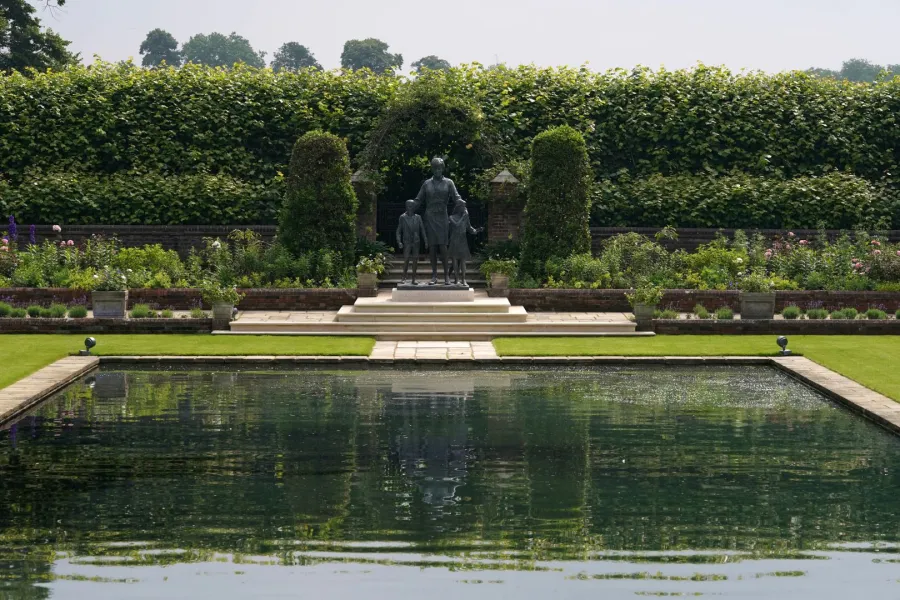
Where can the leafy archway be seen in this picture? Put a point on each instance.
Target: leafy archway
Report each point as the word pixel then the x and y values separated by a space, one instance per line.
pixel 428 118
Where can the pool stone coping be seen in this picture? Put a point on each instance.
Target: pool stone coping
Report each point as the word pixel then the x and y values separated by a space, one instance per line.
pixel 27 392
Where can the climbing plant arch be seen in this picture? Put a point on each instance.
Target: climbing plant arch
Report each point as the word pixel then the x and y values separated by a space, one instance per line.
pixel 428 118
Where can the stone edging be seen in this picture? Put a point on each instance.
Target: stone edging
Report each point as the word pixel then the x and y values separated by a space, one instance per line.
pixel 25 393
pixel 776 327
pixel 874 406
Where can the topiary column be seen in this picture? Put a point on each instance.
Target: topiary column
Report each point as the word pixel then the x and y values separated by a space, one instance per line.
pixel 557 212
pixel 319 212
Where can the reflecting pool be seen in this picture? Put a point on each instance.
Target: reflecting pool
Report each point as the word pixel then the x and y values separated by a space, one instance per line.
pixel 569 483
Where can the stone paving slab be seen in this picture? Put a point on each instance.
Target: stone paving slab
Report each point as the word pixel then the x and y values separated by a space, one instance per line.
pixel 434 351
pixel 874 406
pixel 27 392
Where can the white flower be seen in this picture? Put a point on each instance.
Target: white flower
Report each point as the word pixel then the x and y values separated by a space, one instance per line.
pixel 739 261
pixel 129 270
pixel 217 244
pixel 740 273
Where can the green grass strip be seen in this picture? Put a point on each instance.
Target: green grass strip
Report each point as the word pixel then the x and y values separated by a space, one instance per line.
pixel 22 355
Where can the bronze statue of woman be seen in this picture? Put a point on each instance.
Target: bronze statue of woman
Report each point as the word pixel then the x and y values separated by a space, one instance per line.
pixel 437 194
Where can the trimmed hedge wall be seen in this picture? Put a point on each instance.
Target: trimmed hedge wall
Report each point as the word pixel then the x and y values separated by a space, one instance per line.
pixel 141 199
pixel 836 200
pixel 242 123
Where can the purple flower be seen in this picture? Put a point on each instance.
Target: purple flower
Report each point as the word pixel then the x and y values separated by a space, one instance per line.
pixel 31 237
pixel 13 232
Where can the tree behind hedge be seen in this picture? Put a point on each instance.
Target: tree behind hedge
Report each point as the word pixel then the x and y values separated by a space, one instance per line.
pixel 557 212
pixel 319 210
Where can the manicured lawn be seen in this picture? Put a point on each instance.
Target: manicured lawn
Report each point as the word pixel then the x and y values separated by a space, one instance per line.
pixel 21 355
pixel 870 360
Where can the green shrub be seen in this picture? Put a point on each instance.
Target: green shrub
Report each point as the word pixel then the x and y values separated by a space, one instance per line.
pixel 34 311
pixel 837 314
pixel 897 314
pixel 18 313
pixel 320 205
pixel 45 313
pixel 140 311
pixel 5 309
pixel 876 314
pixel 77 312
pixel 724 313
pixel 167 314
pixel 58 311
pixel 666 314
pixel 199 313
pixel 701 312
pixel 791 312
pixel 152 314
pixel 850 313
pixel 557 211
pixel 817 314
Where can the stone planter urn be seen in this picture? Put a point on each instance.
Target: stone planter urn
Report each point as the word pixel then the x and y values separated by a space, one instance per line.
pixel 109 305
pixel 757 305
pixel 222 311
pixel 367 283
pixel 499 285
pixel 643 316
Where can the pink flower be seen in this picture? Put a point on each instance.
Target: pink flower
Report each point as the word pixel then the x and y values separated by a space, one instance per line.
pixel 876 252
pixel 769 254
pixel 876 243
pixel 70 243
pixel 898 252
pixel 4 241
pixel 803 242
pixel 854 260
pixel 57 229
pixel 790 234
pixel 787 246
pixel 4 249
pixel 62 244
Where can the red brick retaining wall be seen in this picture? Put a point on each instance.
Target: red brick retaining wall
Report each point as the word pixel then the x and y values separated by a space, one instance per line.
pixel 776 327
pixel 106 326
pixel 185 299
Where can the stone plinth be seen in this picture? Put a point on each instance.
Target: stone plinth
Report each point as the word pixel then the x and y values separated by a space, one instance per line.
pixel 432 293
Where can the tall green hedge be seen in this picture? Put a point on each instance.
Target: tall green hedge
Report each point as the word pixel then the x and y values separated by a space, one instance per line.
pixel 242 123
pixel 558 207
pixel 835 200
pixel 141 199
pixel 320 205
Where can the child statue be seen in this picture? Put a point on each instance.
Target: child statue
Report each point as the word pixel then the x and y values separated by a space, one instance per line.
pixel 410 230
pixel 458 248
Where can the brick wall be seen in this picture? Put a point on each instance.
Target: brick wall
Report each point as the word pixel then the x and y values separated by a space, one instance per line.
pixel 185 299
pixel 553 300
pixel 776 327
pixel 105 326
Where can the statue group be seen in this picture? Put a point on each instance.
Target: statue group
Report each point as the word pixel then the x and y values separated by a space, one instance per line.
pixel 443 234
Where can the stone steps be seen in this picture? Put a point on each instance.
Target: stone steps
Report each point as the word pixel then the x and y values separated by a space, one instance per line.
pixel 483 305
pixel 436 336
pixel 495 327
pixel 515 314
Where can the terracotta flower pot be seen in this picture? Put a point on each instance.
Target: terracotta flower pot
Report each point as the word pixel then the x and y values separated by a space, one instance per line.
pixel 109 305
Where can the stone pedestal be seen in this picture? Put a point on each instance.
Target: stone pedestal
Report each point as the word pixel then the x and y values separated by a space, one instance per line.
pixel 505 218
pixel 432 293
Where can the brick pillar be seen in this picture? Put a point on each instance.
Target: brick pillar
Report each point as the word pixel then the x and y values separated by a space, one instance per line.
pixel 366 214
pixel 505 212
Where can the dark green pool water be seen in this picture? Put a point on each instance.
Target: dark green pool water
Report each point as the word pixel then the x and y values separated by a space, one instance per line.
pixel 595 483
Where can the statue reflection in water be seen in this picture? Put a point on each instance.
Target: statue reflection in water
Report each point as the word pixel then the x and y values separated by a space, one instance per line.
pixel 431 440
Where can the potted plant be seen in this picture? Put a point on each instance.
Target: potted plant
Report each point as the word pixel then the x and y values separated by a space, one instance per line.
pixel 498 271
pixel 221 298
pixel 367 271
pixel 109 294
pixel 757 296
pixel 643 302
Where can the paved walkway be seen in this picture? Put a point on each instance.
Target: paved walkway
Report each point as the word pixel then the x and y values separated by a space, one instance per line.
pixel 433 351
pixel 29 391
pixel 329 316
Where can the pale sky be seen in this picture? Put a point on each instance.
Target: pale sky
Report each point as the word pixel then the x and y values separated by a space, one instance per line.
pixel 770 35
